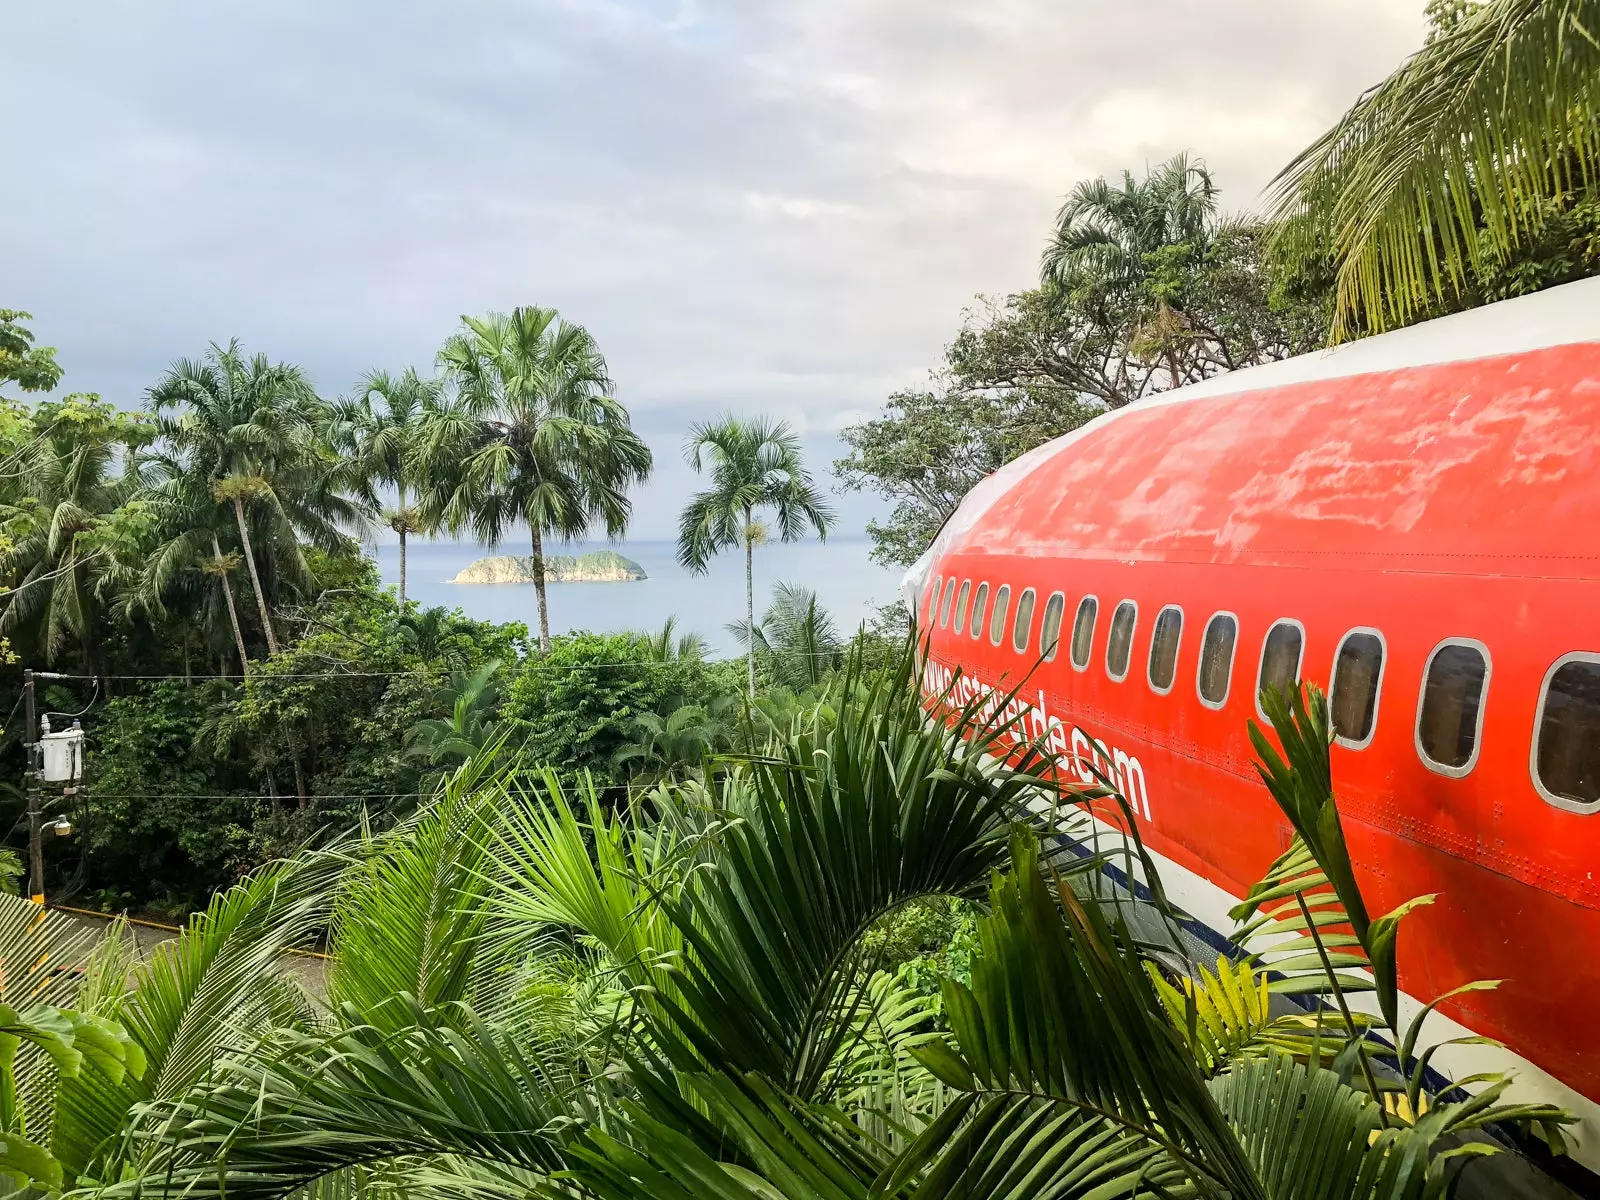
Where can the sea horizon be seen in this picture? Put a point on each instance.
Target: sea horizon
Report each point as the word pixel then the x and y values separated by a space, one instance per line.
pixel 848 585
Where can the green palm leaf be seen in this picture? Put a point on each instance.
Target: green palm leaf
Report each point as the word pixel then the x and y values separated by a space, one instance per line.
pixel 1456 156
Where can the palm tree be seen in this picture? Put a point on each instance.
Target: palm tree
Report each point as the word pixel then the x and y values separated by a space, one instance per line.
pixel 1109 243
pixel 798 637
pixel 668 645
pixel 532 434
pixel 471 699
pixel 755 467
pixel 385 419
pixel 244 433
pixel 1458 157
pixel 64 523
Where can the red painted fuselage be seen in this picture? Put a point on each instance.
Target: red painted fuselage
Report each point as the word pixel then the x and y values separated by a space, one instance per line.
pixel 1421 510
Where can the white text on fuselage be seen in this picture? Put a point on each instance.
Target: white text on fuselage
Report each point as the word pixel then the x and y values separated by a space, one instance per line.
pixel 1088 760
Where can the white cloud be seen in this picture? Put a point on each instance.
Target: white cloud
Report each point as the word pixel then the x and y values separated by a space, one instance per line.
pixel 753 203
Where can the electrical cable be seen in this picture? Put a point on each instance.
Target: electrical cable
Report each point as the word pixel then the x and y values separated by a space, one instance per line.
pixel 526 668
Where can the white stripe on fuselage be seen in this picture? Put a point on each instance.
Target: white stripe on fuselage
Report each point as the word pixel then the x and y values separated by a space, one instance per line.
pixel 1209 904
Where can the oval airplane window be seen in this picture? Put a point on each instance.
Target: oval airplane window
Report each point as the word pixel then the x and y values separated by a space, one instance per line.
pixel 980 603
pixel 1002 609
pixel 949 599
pixel 1050 632
pixel 1164 648
pixel 930 610
pixel 1216 659
pixel 1450 713
pixel 1022 627
pixel 961 606
pixel 1357 678
pixel 1280 661
pixel 1566 748
pixel 1083 632
pixel 1119 642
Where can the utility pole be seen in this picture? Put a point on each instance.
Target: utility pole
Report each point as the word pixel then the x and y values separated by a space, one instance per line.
pixel 31 787
pixel 31 780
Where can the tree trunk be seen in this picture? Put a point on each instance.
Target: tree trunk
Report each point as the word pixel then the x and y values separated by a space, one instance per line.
pixel 750 603
pixel 538 586
pixel 401 488
pixel 233 613
pixel 255 578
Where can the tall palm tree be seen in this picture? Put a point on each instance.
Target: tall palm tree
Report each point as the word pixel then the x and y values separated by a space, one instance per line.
pixel 245 434
pixel 62 518
pixel 1109 240
pixel 189 550
pixel 531 434
pixel 385 418
pixel 756 468
pixel 1461 154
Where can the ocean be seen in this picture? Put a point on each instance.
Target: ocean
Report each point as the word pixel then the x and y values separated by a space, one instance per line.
pixel 848 584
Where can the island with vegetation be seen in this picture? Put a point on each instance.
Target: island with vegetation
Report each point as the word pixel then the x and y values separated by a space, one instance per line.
pixel 602 566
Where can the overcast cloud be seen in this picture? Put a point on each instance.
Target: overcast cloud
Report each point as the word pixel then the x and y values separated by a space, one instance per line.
pixel 774 207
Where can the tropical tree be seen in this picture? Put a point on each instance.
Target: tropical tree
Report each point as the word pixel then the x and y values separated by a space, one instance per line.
pixel 533 434
pixel 1456 161
pixel 70 515
pixel 797 638
pixel 244 434
pixel 384 420
pixel 756 468
pixel 1118 252
pixel 471 698
pixel 668 645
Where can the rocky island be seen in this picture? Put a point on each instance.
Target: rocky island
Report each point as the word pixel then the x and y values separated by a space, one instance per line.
pixel 602 566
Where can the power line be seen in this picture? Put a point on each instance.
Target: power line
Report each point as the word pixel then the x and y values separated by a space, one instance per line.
pixel 525 668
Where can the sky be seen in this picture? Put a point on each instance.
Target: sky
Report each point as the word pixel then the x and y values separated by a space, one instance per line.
pixel 756 206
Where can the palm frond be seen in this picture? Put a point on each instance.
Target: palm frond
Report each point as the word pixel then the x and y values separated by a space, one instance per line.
pixel 1455 156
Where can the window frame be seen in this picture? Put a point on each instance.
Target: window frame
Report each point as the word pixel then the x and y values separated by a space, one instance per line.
pixel 1150 658
pixel 1000 612
pixel 933 605
pixel 979 612
pixel 1055 652
pixel 1439 768
pixel 1132 634
pixel 1233 657
pixel 1093 629
pixel 1027 633
pixel 1377 703
pixel 947 605
pixel 1545 794
pixel 1261 661
pixel 958 619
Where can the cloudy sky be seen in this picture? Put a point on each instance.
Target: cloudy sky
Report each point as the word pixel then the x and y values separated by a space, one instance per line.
pixel 755 205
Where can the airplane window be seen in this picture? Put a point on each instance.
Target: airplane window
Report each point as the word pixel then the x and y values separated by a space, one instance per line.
pixel 1050 632
pixel 1567 752
pixel 1002 609
pixel 961 605
pixel 1023 625
pixel 1083 631
pixel 979 603
pixel 1357 675
pixel 933 600
pixel 1450 717
pixel 1216 659
pixel 1119 642
pixel 949 599
pixel 1280 660
pixel 1164 648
